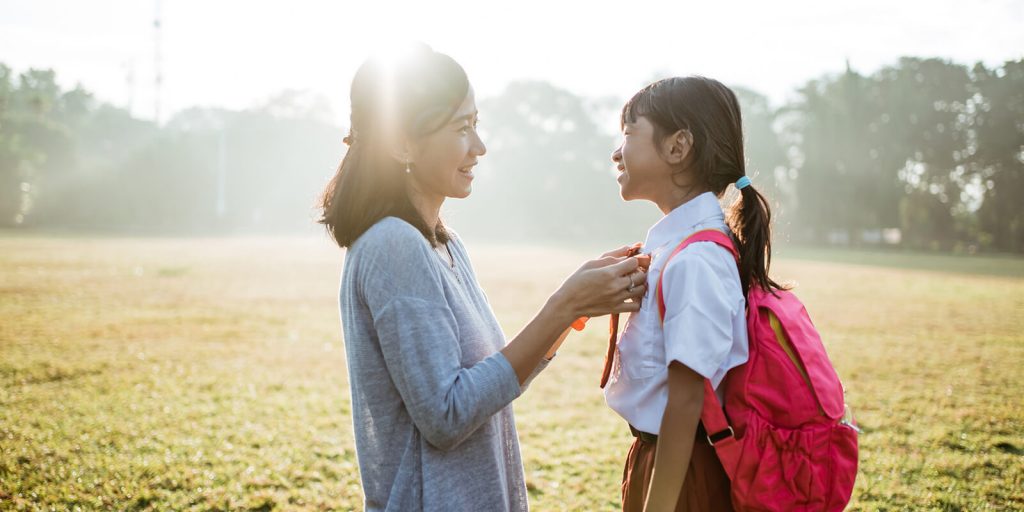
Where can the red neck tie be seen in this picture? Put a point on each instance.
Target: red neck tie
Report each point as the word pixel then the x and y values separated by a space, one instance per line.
pixel 609 357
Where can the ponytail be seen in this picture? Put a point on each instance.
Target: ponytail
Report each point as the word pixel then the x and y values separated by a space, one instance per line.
pixel 750 221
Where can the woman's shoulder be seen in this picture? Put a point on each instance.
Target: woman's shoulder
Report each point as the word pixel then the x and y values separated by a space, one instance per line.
pixel 387 235
pixel 455 239
pixel 392 245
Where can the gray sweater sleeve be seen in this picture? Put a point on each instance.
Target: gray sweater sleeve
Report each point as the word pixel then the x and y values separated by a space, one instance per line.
pixel 419 341
pixel 544 362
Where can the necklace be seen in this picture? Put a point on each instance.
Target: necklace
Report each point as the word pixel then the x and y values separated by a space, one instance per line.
pixel 449 260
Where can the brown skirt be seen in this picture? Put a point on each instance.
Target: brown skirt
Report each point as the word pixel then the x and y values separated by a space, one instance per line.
pixel 706 487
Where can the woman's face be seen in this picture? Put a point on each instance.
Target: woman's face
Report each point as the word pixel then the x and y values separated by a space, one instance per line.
pixel 643 172
pixel 442 162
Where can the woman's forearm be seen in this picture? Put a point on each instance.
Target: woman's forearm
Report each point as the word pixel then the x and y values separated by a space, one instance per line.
pixel 599 287
pixel 558 343
pixel 675 440
pixel 539 338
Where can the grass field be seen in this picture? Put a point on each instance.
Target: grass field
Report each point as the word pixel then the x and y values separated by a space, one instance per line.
pixel 209 374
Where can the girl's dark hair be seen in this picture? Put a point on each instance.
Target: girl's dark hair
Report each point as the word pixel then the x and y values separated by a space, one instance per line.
pixel 409 96
pixel 710 112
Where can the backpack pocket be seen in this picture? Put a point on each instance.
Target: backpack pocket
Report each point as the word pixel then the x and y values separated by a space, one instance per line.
pixel 783 469
pixel 843 460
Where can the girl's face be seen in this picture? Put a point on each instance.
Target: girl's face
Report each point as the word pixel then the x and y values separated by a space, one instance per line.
pixel 442 162
pixel 643 172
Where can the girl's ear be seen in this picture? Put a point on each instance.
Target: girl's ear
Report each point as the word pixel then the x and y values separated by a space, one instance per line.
pixel 678 146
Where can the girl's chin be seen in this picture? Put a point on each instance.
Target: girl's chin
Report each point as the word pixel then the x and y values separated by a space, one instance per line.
pixel 624 189
pixel 625 192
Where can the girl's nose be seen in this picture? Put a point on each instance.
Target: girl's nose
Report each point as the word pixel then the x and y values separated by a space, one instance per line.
pixel 479 148
pixel 617 155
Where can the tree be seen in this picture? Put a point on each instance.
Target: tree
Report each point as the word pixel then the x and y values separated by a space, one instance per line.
pixel 997 154
pixel 11 154
pixel 831 130
pixel 921 136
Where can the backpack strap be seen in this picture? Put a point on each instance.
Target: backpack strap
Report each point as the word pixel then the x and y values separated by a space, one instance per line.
pixel 704 235
pixel 720 434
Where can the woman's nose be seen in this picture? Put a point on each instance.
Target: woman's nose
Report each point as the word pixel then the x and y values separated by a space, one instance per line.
pixel 617 155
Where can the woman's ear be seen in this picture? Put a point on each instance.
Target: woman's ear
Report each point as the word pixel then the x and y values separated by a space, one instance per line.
pixel 402 151
pixel 678 146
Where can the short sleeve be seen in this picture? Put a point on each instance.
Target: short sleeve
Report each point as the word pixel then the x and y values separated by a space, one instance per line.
pixel 699 312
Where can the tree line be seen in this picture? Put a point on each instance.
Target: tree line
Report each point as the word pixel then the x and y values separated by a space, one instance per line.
pixel 925 153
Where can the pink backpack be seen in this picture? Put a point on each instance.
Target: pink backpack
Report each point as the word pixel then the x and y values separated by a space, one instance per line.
pixel 783 437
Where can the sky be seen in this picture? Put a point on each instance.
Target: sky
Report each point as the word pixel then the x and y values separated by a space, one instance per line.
pixel 238 54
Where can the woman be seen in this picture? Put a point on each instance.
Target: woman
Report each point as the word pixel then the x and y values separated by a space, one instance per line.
pixel 431 376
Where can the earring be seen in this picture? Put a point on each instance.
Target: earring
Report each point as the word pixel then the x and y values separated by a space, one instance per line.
pixel 408 170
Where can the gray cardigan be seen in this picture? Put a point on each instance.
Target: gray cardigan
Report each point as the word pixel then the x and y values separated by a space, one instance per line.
pixel 431 393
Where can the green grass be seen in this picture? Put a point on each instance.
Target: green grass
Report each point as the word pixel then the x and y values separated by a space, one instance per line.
pixel 209 374
pixel 994 265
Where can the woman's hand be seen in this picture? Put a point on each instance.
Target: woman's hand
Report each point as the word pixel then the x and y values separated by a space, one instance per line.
pixel 613 283
pixel 625 250
pixel 620 252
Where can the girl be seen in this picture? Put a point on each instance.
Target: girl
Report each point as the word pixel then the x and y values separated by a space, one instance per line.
pixel 682 147
pixel 431 376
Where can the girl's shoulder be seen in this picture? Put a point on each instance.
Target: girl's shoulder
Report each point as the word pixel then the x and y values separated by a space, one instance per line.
pixel 706 252
pixel 703 259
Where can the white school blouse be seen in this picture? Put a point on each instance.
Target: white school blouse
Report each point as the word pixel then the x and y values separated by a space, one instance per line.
pixel 705 322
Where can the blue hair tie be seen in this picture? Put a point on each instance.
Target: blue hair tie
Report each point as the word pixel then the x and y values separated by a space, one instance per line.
pixel 742 182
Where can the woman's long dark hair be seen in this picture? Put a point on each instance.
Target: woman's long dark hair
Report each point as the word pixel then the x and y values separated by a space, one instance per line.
pixel 412 95
pixel 710 112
